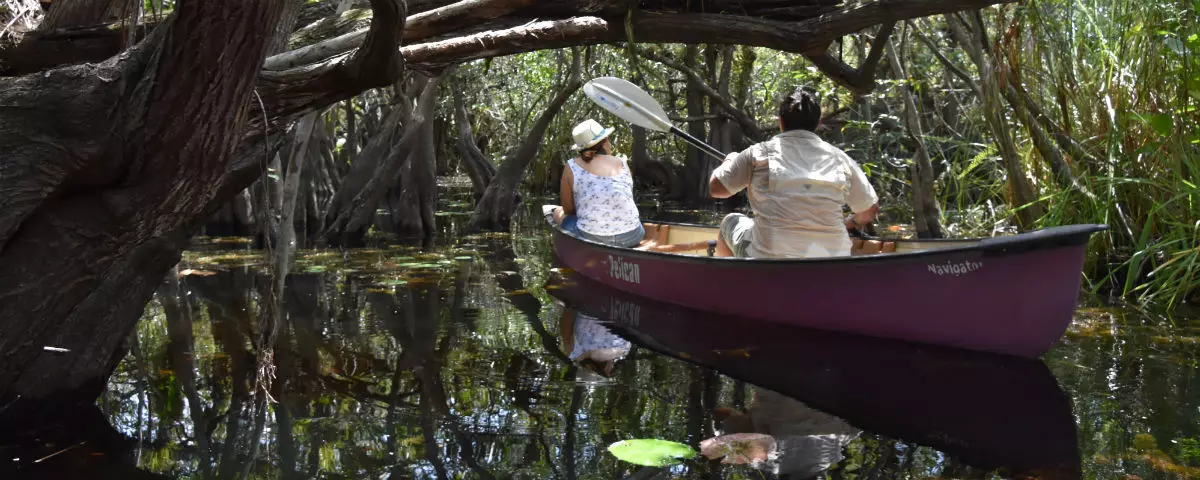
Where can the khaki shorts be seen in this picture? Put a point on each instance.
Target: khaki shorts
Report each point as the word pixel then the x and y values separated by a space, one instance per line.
pixel 735 229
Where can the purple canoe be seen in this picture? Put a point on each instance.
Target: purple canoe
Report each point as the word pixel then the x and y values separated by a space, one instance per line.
pixel 1013 295
pixel 989 411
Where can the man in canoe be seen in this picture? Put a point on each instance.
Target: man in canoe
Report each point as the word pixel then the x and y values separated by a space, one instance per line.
pixel 798 184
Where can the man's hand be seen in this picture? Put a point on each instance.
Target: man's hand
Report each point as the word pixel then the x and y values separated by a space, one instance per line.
pixel 851 225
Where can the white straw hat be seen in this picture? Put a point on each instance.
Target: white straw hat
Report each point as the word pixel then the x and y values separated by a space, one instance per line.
pixel 588 133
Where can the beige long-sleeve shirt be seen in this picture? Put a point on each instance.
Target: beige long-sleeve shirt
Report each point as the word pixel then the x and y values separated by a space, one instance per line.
pixel 798 184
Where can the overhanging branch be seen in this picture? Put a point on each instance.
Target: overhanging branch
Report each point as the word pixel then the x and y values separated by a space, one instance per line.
pixel 288 95
pixel 861 80
pixel 420 26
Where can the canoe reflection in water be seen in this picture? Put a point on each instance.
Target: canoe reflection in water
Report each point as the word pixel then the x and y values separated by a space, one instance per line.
pixel 815 389
pixel 798 441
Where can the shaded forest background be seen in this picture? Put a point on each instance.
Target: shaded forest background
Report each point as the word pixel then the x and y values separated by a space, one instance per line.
pixel 978 123
pixel 125 131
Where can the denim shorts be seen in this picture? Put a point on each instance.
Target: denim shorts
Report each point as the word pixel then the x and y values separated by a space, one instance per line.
pixel 735 229
pixel 631 238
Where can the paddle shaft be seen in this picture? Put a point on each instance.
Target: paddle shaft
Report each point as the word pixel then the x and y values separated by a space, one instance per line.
pixel 709 149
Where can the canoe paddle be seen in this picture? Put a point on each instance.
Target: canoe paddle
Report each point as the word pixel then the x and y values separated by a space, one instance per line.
pixel 634 105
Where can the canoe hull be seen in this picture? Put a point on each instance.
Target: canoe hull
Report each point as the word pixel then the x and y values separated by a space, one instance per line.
pixel 1013 296
pixel 989 411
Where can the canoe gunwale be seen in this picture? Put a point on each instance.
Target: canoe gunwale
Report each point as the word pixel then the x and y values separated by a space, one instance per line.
pixel 1048 238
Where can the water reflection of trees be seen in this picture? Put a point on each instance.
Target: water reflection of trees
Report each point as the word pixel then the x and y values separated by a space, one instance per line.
pixel 454 375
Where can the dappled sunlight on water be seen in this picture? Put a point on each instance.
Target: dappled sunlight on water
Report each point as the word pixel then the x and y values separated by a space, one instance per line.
pixel 458 362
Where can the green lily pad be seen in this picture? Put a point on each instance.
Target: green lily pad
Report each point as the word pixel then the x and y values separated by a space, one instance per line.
pixel 651 452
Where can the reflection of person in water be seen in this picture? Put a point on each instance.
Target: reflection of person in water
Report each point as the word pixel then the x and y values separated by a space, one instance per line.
pixel 807 441
pixel 589 344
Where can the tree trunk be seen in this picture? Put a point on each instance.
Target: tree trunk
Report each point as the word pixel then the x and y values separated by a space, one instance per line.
pixel 1023 193
pixel 75 13
pixel 477 165
pixel 289 196
pixel 1041 140
pixel 260 225
pixel 697 161
pixel 412 198
pixel 926 211
pixel 90 219
pixel 651 173
pixel 352 209
pixel 114 211
pixel 722 131
pixel 494 211
pixel 744 119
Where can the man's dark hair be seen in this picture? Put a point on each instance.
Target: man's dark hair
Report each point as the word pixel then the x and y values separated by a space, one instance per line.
pixel 801 110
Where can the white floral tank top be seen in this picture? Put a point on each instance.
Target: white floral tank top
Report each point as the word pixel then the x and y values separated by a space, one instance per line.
pixel 604 205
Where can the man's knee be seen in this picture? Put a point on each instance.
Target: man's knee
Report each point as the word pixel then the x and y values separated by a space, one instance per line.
pixel 729 223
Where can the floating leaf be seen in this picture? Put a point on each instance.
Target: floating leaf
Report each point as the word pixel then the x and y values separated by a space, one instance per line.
pixel 315 269
pixel 651 452
pixel 739 448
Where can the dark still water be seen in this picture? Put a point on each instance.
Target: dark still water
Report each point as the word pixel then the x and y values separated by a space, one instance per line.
pixel 480 359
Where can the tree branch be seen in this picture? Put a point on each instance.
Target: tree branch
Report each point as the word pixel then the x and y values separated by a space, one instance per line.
pixel 741 117
pixel 420 26
pixel 958 72
pixel 868 67
pixel 377 63
pixel 861 81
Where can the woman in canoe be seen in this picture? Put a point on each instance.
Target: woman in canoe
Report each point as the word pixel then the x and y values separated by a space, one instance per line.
pixel 797 185
pixel 597 191
pixel 597 197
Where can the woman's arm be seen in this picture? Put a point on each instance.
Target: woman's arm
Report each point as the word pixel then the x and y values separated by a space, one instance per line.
pixel 566 190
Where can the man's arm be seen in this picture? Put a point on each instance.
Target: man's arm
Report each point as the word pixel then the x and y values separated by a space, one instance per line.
pixel 717 189
pixel 861 199
pixel 732 176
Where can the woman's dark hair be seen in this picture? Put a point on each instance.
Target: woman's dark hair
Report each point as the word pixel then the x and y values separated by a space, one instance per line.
pixel 801 110
pixel 589 153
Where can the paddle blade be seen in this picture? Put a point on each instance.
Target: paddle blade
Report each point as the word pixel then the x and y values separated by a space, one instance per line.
pixel 627 101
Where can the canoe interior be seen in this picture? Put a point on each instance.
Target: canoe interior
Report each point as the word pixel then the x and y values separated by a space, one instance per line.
pixel 678 233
